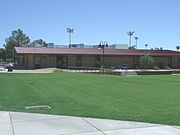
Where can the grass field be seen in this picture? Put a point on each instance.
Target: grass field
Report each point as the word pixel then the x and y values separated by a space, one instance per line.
pixel 139 98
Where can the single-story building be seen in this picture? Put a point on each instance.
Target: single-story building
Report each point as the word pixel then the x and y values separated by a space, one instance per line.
pixel 30 58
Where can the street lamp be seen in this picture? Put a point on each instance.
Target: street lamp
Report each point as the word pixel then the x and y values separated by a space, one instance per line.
pixel 70 31
pixel 102 45
pixel 130 34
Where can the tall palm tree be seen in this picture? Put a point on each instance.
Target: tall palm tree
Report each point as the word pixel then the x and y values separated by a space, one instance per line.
pixel 136 38
pixel 130 34
pixel 146 46
pixel 177 47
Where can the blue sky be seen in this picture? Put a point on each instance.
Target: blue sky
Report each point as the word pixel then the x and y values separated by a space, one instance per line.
pixel 155 22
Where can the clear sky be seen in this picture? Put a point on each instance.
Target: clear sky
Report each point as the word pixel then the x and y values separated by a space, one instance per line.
pixel 155 22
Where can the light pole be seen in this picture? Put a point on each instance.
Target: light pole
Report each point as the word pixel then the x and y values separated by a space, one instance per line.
pixel 70 31
pixel 102 45
pixel 130 34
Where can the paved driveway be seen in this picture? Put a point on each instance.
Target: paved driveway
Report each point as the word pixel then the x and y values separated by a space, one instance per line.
pixel 14 123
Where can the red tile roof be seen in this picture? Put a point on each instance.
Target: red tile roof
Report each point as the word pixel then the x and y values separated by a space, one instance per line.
pixel 92 51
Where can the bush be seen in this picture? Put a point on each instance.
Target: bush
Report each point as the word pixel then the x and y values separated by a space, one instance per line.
pixel 58 70
pixel 156 68
pixel 146 61
pixel 105 70
pixel 167 67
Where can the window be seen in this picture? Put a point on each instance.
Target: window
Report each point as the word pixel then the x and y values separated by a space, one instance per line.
pixel 65 61
pixel 62 61
pixel 37 61
pixel 78 61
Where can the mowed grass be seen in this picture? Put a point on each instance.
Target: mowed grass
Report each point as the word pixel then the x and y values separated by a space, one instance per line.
pixel 138 98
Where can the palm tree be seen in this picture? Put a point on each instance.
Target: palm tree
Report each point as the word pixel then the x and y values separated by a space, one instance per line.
pixel 146 46
pixel 130 34
pixel 177 47
pixel 136 38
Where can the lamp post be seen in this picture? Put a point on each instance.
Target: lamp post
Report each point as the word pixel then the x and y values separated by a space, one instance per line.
pixel 130 34
pixel 102 45
pixel 70 31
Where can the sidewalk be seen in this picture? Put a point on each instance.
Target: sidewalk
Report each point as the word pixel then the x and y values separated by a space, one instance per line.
pixel 44 70
pixel 14 123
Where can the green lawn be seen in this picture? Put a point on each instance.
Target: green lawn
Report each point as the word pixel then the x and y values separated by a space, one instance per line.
pixel 139 98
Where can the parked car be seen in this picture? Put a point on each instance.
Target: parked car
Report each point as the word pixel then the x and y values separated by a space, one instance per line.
pixel 124 67
pixel 9 67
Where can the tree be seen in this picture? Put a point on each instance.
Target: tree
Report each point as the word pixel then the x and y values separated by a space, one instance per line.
pixel 132 47
pixel 146 60
pixel 130 34
pixel 177 47
pixel 2 54
pixel 146 45
pixel 17 39
pixel 136 38
pixel 38 43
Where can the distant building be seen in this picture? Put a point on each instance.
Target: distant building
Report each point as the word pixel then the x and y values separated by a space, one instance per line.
pixel 51 45
pixel 76 46
pixel 90 46
pixel 81 45
pixel 118 46
pixel 113 46
pixel 60 46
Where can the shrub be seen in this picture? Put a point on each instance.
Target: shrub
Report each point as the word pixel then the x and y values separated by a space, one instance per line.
pixel 146 60
pixel 156 68
pixel 167 67
pixel 105 70
pixel 58 70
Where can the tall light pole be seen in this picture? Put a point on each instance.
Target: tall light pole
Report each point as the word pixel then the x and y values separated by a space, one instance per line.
pixel 70 31
pixel 136 38
pixel 102 45
pixel 130 34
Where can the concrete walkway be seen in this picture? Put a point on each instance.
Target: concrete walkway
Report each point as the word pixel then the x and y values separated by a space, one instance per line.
pixel 14 123
pixel 45 70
